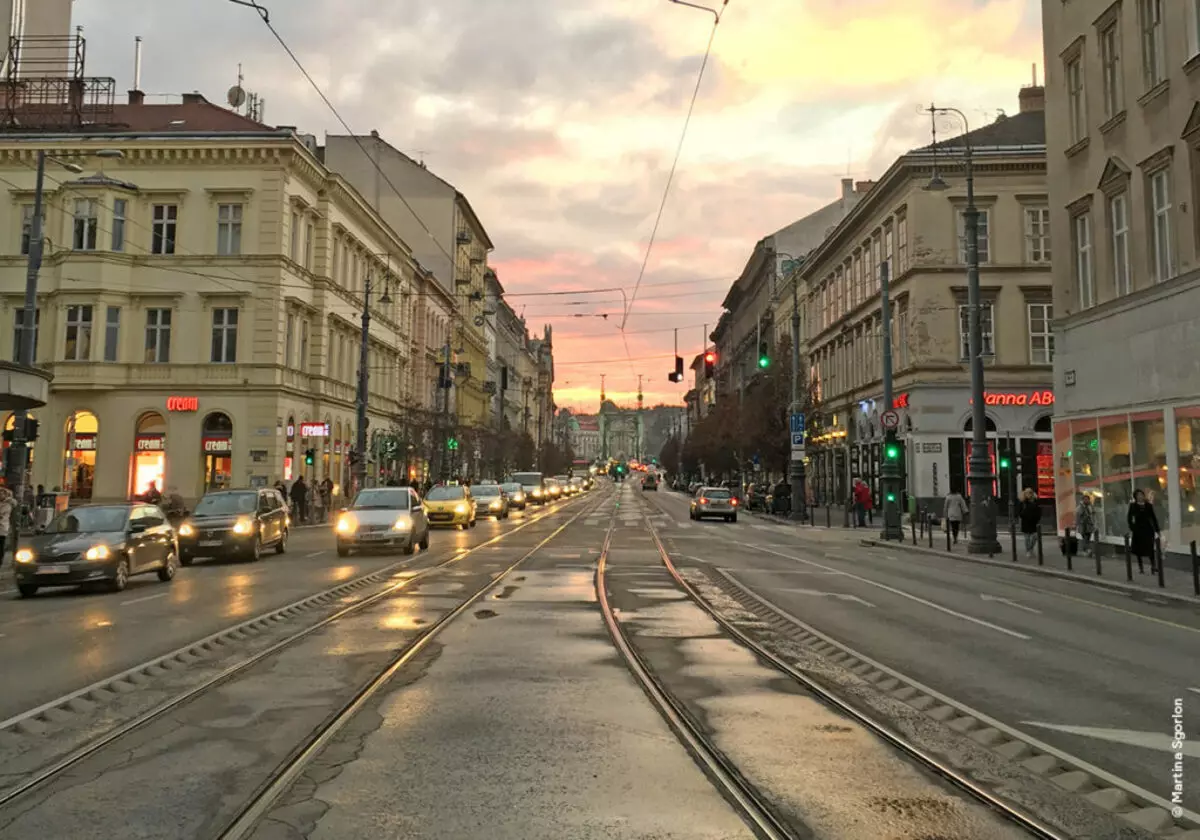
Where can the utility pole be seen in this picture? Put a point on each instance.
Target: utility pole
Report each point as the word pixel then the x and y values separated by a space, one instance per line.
pixel 360 443
pixel 890 475
pixel 799 511
pixel 639 444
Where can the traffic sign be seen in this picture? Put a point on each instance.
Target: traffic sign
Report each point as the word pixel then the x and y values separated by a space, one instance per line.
pixel 797 425
pixel 890 419
pixel 798 441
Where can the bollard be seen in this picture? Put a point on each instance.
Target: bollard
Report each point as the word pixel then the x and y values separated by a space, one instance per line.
pixel 913 522
pixel 1041 558
pixel 828 516
pixel 1128 561
pixel 1067 541
pixel 1158 556
pixel 1012 534
pixel 948 548
pixel 1096 552
pixel 1195 570
pixel 923 515
pixel 929 528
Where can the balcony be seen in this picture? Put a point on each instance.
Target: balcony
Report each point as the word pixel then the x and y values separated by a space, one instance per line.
pixel 23 388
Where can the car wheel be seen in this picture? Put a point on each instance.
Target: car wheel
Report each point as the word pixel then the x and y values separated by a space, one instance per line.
pixel 343 551
pixel 167 573
pixel 409 547
pixel 281 546
pixel 474 522
pixel 425 541
pixel 27 590
pixel 255 552
pixel 121 577
pixel 733 518
pixel 186 559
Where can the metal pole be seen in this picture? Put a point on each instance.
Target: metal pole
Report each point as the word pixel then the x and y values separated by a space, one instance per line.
pixel 360 443
pixel 889 469
pixel 799 499
pixel 980 477
pixel 18 450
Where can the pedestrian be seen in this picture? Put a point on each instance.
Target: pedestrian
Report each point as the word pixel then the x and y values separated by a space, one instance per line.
pixel 1143 530
pixel 1029 512
pixel 954 510
pixel 153 495
pixel 860 496
pixel 7 505
pixel 1085 521
pixel 300 499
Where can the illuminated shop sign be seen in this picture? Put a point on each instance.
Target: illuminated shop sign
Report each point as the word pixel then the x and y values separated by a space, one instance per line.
pixel 314 430
pixel 85 442
pixel 218 445
pixel 1018 398
pixel 150 443
pixel 183 403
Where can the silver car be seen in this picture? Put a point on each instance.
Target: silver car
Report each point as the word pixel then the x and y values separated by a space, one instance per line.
pixel 713 501
pixel 383 517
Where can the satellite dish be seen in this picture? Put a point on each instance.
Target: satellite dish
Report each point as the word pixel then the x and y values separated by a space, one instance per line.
pixel 479 320
pixel 236 97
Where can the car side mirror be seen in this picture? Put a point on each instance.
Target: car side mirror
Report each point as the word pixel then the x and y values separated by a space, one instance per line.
pixel 137 526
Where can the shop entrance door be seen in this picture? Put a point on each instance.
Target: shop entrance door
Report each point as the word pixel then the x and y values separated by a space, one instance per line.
pixel 218 471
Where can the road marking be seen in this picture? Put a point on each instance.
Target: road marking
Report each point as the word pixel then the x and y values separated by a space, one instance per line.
pixel 838 595
pixel 1010 603
pixel 1196 690
pixel 901 593
pixel 1162 621
pixel 1149 740
pixel 144 598
pixel 315 554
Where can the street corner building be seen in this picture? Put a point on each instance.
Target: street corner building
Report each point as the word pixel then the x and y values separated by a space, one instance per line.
pixel 1123 149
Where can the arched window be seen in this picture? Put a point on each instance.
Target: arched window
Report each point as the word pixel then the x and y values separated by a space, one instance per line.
pixel 969 426
pixel 216 446
pixel 79 462
pixel 218 424
pixel 149 454
pixel 1043 424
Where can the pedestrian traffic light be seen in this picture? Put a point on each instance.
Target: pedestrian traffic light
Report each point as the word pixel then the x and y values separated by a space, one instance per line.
pixel 1005 463
pixel 710 364
pixel 764 357
pixel 452 444
pixel 891 450
pixel 310 455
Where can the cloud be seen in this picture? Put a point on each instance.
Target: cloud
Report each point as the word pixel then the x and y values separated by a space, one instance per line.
pixel 559 119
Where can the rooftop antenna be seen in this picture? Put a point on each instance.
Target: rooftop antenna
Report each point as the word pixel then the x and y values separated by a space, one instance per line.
pixel 1035 74
pixel 137 63
pixel 236 97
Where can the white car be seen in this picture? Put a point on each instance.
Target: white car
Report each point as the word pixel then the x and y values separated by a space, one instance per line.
pixel 383 517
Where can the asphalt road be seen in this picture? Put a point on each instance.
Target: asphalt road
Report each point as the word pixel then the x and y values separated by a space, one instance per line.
pixel 1091 672
pixel 65 639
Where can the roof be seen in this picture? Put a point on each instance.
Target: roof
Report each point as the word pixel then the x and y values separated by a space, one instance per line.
pixel 1026 129
pixel 190 116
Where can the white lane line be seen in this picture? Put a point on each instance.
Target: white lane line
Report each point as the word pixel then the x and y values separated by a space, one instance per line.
pixel 820 594
pixel 1009 602
pixel 144 598
pixel 1161 741
pixel 1196 690
pixel 315 554
pixel 902 594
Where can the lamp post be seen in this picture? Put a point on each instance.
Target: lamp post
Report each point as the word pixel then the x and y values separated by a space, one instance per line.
pixel 799 509
pixel 360 443
pixel 18 452
pixel 980 475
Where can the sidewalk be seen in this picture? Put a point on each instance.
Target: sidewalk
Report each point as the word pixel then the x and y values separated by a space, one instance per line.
pixel 1178 580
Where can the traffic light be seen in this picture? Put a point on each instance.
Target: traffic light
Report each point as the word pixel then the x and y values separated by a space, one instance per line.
pixel 452 444
pixel 310 455
pixel 764 356
pixel 677 374
pixel 710 364
pixel 1005 462
pixel 891 450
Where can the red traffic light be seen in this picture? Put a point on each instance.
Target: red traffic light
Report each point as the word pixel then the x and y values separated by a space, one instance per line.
pixel 710 357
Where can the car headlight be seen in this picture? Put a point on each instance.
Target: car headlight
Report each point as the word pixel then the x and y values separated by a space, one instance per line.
pixel 537 494
pixel 520 497
pixel 24 555
pixel 97 552
pixel 401 524
pixel 245 525
pixel 495 505
pixel 347 524
pixel 460 508
pixel 186 530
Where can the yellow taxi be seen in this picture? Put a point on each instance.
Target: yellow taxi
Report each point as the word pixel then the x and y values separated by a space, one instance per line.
pixel 450 505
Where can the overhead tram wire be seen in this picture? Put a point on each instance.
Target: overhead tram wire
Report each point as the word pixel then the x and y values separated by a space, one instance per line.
pixel 678 150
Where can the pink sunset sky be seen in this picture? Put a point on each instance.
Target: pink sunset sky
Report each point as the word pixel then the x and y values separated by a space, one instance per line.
pixel 559 119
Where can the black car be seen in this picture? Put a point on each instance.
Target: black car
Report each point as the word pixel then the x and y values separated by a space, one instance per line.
pixel 98 544
pixel 235 523
pixel 650 482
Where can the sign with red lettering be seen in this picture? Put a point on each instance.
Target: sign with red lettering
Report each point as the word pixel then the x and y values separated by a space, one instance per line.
pixel 1018 398
pixel 900 401
pixel 85 442
pixel 150 443
pixel 218 445
pixel 183 403
pixel 314 430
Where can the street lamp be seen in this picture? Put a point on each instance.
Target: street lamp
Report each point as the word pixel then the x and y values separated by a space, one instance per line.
pixel 799 509
pixel 360 443
pixel 18 450
pixel 980 477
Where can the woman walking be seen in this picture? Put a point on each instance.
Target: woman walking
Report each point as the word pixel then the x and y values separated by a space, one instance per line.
pixel 1030 514
pixel 1143 530
pixel 955 510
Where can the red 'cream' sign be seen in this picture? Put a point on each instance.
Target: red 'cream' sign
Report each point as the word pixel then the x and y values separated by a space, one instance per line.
pixel 1018 398
pixel 183 403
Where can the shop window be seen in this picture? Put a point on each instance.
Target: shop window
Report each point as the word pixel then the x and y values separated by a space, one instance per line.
pixel 149 454
pixel 988 423
pixel 1064 481
pixel 216 445
pixel 1148 434
pixel 1112 502
pixel 79 462
pixel 1085 456
pixel 1187 426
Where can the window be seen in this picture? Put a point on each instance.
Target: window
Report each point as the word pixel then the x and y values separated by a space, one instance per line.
pixel 1110 68
pixel 902 333
pixel 1037 234
pixel 229 229
pixel 224 336
pixel 308 245
pixel 79 333
pixel 294 248
pixel 26 227
pixel 112 333
pixel 964 331
pixel 1075 102
pixel 164 220
pixel 302 361
pixel 1041 339
pixel 1160 197
pixel 1194 29
pixel 287 340
pixel 982 238
pixel 86 225
pixel 1119 216
pixel 19 331
pixel 1154 59
pixel 1084 279
pixel 334 264
pixel 120 208
pixel 888 254
pixel 158 335
pixel 901 244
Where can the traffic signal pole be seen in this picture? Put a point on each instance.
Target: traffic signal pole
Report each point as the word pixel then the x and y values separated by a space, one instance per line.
pixel 890 476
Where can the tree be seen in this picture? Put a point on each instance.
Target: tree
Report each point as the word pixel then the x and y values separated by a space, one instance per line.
pixel 669 456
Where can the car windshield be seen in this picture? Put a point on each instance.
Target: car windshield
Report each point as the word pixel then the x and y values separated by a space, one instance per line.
pixel 487 490
pixel 527 479
pixel 715 493
pixel 511 488
pixel 445 494
pixel 382 498
pixel 83 520
pixel 220 504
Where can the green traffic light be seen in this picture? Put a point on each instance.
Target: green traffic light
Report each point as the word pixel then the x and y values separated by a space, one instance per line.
pixel 1003 463
pixel 892 452
pixel 764 362
pixel 891 497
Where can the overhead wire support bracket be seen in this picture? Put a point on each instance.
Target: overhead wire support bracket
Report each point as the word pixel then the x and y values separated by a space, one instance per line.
pixel 262 12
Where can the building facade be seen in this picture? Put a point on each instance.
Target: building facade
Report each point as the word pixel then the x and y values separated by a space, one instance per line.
pixel 200 305
pixel 1123 145
pixel 919 234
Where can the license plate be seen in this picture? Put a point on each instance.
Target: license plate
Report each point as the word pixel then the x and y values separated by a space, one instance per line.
pixel 57 569
pixel 372 537
pixel 209 543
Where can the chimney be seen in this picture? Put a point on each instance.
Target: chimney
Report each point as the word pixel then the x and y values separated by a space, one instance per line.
pixel 137 63
pixel 863 187
pixel 1032 98
pixel 194 99
pixel 136 97
pixel 847 187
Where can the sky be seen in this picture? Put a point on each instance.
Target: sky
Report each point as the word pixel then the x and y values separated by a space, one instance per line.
pixel 559 119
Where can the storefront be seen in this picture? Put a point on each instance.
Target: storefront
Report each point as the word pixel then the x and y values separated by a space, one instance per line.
pixel 216 445
pixel 1110 456
pixel 149 460
pixel 79 459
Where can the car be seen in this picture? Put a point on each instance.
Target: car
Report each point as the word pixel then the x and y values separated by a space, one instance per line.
pixel 491 500
pixel 516 494
pixel 534 485
pixel 564 482
pixel 554 490
pixel 450 505
pixel 98 544
pixel 235 523
pixel 577 484
pixel 713 501
pixel 650 482
pixel 383 517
